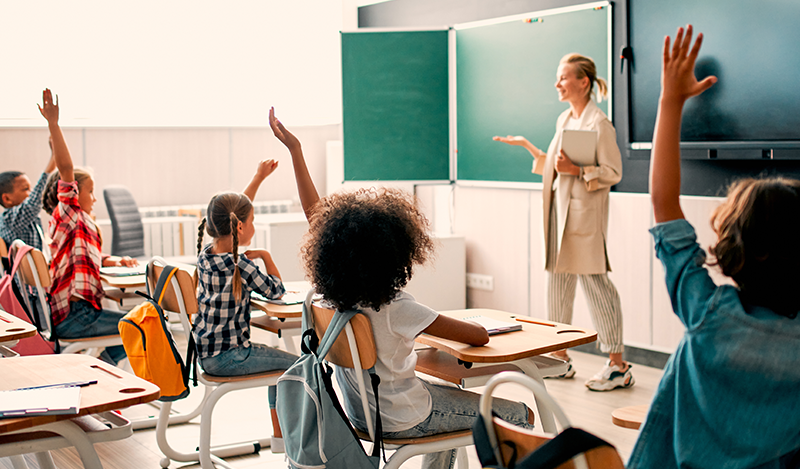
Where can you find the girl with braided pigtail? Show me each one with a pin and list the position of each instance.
(225, 280)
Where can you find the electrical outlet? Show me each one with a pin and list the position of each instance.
(480, 282)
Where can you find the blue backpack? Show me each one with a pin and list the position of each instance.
(316, 431)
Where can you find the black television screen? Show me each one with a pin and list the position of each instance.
(753, 47)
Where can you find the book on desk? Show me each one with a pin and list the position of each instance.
(123, 271)
(65, 400)
(494, 326)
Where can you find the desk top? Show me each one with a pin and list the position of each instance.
(630, 417)
(536, 338)
(130, 281)
(115, 389)
(13, 328)
(284, 311)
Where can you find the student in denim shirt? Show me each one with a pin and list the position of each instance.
(729, 395)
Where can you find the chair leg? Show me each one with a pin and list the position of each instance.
(18, 461)
(45, 460)
(462, 460)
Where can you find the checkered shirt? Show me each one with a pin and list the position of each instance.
(222, 321)
(75, 268)
(22, 222)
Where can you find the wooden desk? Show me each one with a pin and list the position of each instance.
(12, 329)
(630, 417)
(284, 311)
(115, 389)
(518, 349)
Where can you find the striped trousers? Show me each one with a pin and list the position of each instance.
(601, 295)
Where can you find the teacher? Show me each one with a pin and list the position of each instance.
(576, 218)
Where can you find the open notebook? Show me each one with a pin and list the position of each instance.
(494, 326)
(288, 298)
(42, 401)
(123, 271)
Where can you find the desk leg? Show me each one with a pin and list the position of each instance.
(530, 369)
(77, 438)
(45, 460)
(18, 461)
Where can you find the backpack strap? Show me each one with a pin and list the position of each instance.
(339, 321)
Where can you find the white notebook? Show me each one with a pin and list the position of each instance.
(46, 401)
(495, 326)
(580, 146)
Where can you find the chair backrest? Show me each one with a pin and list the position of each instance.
(127, 237)
(512, 442)
(34, 272)
(180, 295)
(340, 353)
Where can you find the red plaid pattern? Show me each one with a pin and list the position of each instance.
(75, 268)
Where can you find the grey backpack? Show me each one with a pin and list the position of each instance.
(316, 431)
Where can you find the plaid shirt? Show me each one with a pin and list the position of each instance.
(22, 222)
(222, 321)
(75, 268)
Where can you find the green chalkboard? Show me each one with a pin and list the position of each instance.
(505, 75)
(395, 108)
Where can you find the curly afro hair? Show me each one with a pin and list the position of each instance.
(361, 246)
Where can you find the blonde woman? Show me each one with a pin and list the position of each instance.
(576, 217)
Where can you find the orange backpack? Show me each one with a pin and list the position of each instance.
(151, 348)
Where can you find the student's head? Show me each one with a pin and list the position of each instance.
(361, 246)
(576, 77)
(229, 214)
(757, 246)
(15, 187)
(86, 197)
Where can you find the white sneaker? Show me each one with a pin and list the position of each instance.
(570, 373)
(611, 377)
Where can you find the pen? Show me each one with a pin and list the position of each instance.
(535, 322)
(79, 384)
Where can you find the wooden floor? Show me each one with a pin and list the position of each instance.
(244, 415)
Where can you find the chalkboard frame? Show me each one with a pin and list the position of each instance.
(535, 182)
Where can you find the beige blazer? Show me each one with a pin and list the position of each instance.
(584, 226)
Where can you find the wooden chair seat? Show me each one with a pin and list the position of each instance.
(236, 379)
(419, 440)
(88, 339)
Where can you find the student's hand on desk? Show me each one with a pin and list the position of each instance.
(125, 261)
(265, 168)
(286, 137)
(49, 109)
(564, 165)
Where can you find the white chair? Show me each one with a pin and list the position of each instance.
(356, 350)
(35, 273)
(511, 444)
(80, 432)
(181, 298)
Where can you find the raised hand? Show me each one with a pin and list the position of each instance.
(265, 168)
(677, 67)
(49, 108)
(516, 140)
(286, 137)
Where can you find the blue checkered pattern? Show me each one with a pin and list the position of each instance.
(22, 222)
(223, 322)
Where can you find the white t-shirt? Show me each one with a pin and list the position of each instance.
(404, 400)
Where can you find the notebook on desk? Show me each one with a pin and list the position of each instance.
(288, 298)
(43, 401)
(495, 326)
(123, 271)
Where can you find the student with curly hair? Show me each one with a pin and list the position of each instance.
(728, 397)
(76, 292)
(225, 280)
(359, 253)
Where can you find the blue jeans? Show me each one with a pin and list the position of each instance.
(84, 320)
(257, 358)
(455, 409)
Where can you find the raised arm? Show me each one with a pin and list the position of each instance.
(305, 186)
(51, 163)
(265, 168)
(678, 84)
(63, 160)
